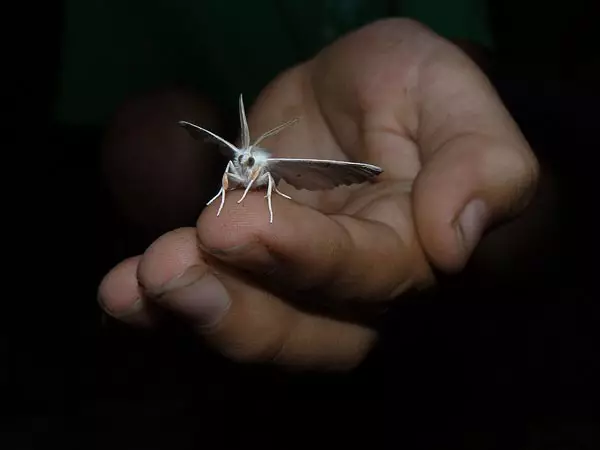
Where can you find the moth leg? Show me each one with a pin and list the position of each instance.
(224, 183)
(228, 177)
(268, 196)
(277, 191)
(255, 175)
(224, 187)
(215, 197)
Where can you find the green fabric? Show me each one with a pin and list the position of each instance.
(113, 48)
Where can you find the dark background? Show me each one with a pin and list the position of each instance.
(506, 360)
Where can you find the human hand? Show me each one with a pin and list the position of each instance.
(392, 94)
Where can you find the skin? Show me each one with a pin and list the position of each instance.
(392, 94)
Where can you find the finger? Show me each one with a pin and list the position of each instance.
(462, 191)
(120, 296)
(240, 320)
(478, 168)
(339, 256)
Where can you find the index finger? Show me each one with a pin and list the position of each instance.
(338, 256)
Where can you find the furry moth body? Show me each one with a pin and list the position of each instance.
(251, 166)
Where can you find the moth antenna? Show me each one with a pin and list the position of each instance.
(245, 131)
(276, 130)
(195, 129)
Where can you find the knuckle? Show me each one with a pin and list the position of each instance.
(527, 174)
(531, 169)
(517, 174)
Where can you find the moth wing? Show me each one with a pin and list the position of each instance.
(319, 174)
(201, 134)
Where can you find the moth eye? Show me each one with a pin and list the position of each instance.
(250, 161)
(240, 158)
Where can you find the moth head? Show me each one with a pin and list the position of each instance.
(247, 159)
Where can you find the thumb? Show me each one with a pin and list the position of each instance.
(464, 188)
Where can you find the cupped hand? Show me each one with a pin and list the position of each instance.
(392, 94)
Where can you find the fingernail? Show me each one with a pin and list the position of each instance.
(471, 223)
(135, 314)
(197, 294)
(134, 308)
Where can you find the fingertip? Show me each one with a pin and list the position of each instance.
(462, 191)
(236, 225)
(450, 208)
(243, 231)
(174, 277)
(167, 258)
(120, 296)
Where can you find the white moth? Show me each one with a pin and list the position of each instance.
(251, 165)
